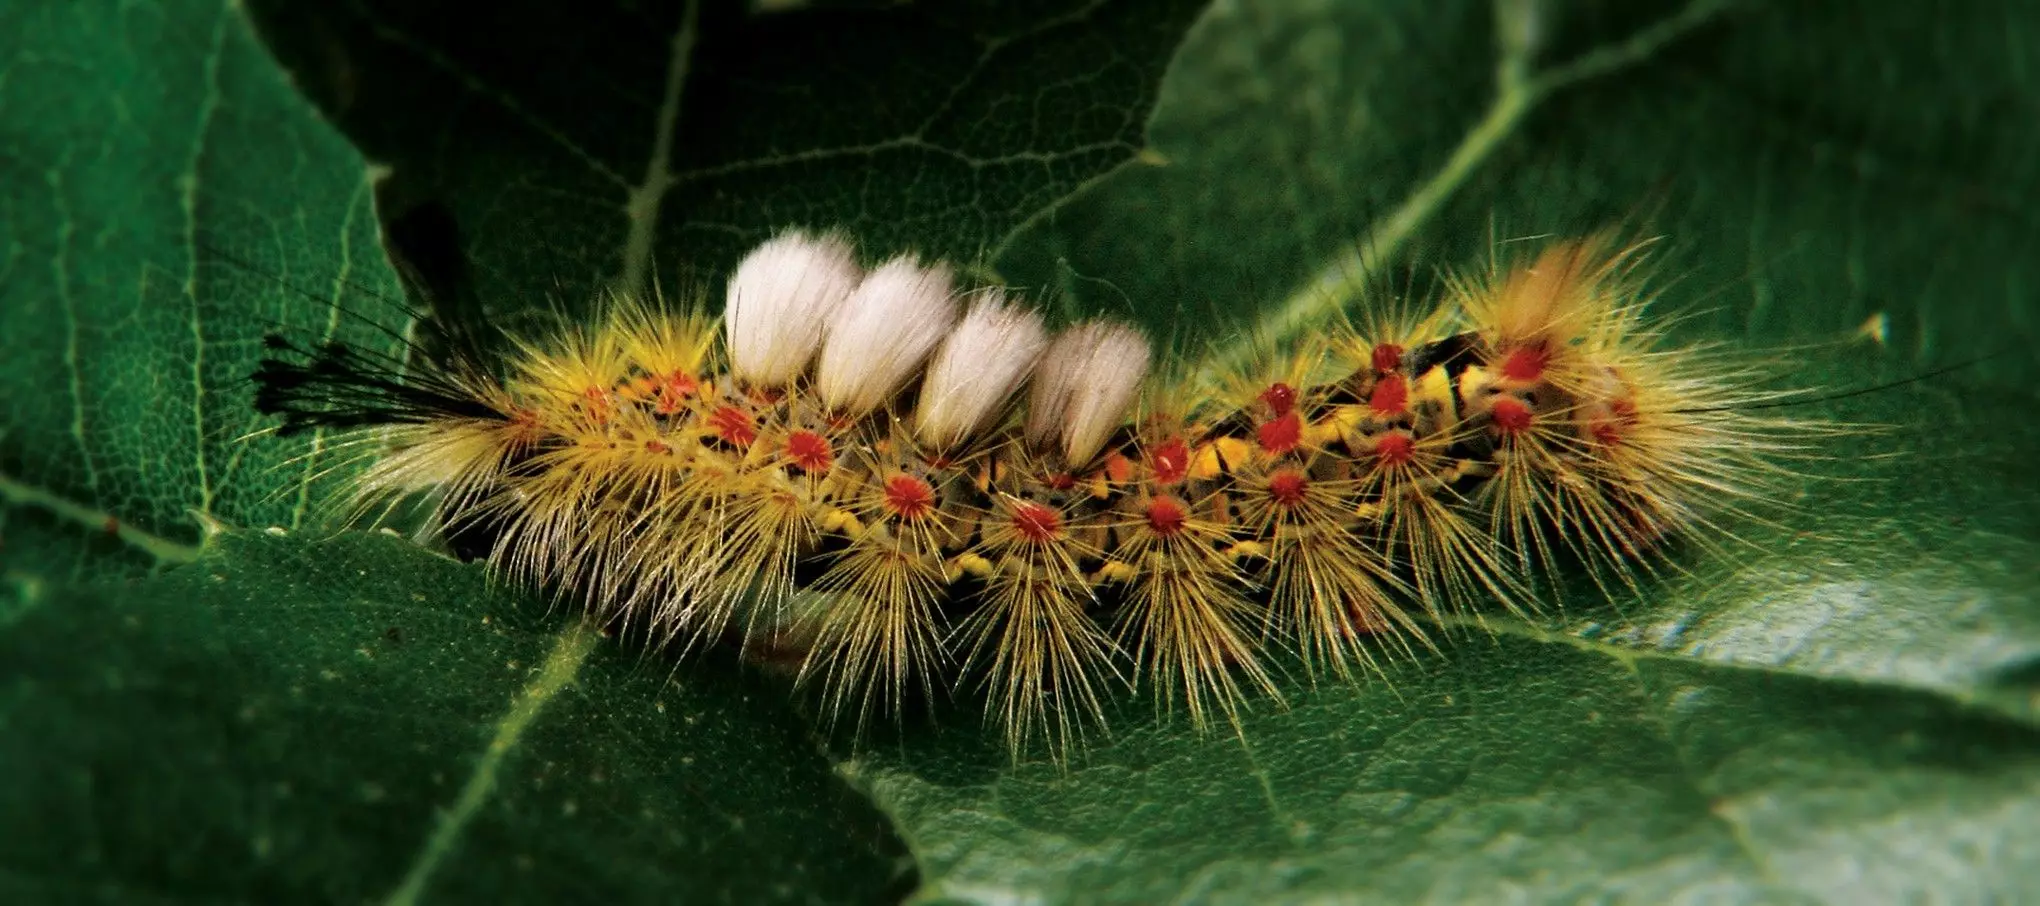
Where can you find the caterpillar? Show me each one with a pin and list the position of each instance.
(923, 487)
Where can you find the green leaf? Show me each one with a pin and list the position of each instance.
(1517, 770)
(570, 144)
(1841, 709)
(139, 141)
(353, 719)
(1841, 705)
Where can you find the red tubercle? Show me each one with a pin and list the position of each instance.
(1391, 395)
(909, 498)
(1036, 522)
(1526, 364)
(1386, 357)
(1282, 434)
(1166, 515)
(1606, 433)
(1280, 397)
(1170, 461)
(600, 407)
(674, 391)
(1394, 448)
(1288, 487)
(1625, 411)
(1611, 428)
(1511, 416)
(522, 427)
(1060, 481)
(660, 447)
(733, 425)
(809, 452)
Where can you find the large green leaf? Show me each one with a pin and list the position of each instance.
(1841, 708)
(294, 722)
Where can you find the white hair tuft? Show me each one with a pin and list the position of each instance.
(979, 368)
(883, 333)
(782, 297)
(1084, 386)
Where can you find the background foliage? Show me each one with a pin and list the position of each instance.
(1844, 709)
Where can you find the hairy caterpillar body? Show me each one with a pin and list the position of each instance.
(920, 486)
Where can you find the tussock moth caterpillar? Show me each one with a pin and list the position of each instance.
(983, 501)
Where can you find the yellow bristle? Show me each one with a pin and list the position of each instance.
(575, 370)
(461, 460)
(662, 341)
(1533, 492)
(677, 546)
(728, 552)
(1403, 468)
(1188, 626)
(1421, 521)
(1563, 293)
(1042, 655)
(1557, 313)
(1328, 588)
(1397, 323)
(881, 631)
(1667, 438)
(1308, 362)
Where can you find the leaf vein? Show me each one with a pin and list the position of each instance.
(60, 270)
(164, 550)
(1517, 92)
(507, 103)
(643, 205)
(564, 662)
(208, 107)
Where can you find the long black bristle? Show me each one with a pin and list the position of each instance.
(333, 386)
